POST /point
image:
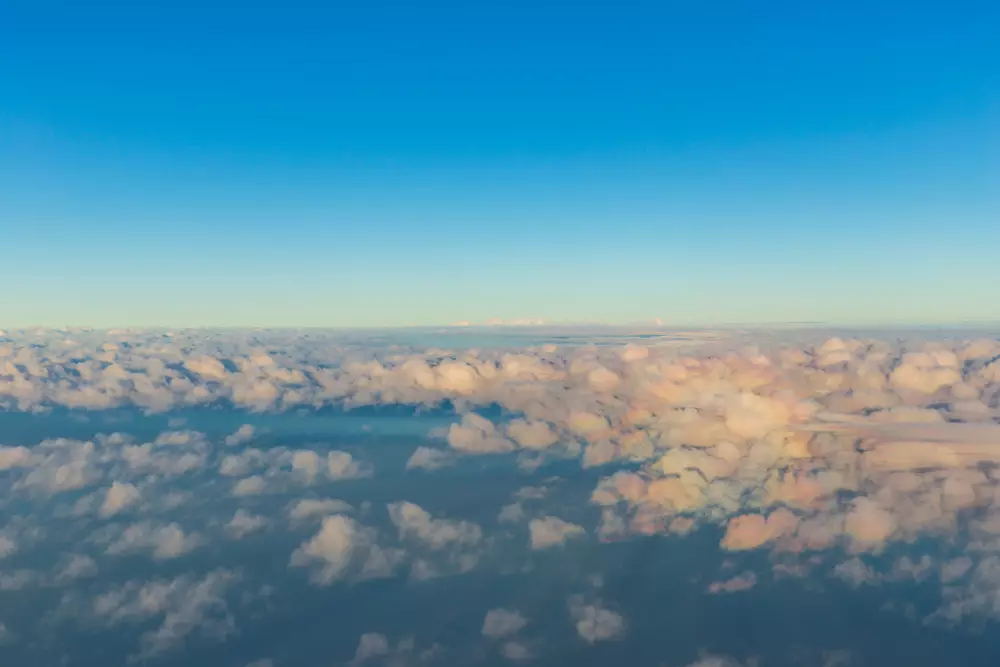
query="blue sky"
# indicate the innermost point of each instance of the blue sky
(335, 164)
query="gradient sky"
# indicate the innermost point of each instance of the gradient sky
(393, 163)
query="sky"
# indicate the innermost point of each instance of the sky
(386, 164)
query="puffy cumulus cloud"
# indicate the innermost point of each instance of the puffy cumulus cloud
(309, 508)
(341, 465)
(750, 531)
(516, 651)
(594, 622)
(856, 573)
(307, 462)
(477, 435)
(73, 568)
(342, 546)
(182, 605)
(531, 434)
(250, 486)
(741, 582)
(429, 458)
(164, 542)
(119, 496)
(371, 645)
(14, 457)
(414, 522)
(551, 531)
(241, 436)
(502, 622)
(375, 648)
(868, 525)
(243, 523)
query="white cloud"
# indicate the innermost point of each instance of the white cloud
(185, 604)
(250, 486)
(340, 544)
(502, 622)
(309, 508)
(416, 523)
(551, 531)
(119, 496)
(428, 458)
(164, 542)
(14, 457)
(241, 436)
(77, 566)
(243, 523)
(341, 465)
(596, 623)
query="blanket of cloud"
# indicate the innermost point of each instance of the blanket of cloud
(489, 497)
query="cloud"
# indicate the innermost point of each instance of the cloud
(14, 457)
(241, 436)
(516, 651)
(428, 458)
(119, 496)
(333, 547)
(309, 508)
(250, 486)
(164, 542)
(739, 583)
(596, 623)
(76, 566)
(477, 435)
(371, 645)
(551, 531)
(341, 466)
(502, 622)
(343, 546)
(243, 523)
(184, 605)
(413, 522)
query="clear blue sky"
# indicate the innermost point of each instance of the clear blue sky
(392, 163)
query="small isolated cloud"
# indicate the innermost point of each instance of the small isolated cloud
(310, 508)
(163, 542)
(332, 548)
(596, 623)
(516, 651)
(856, 573)
(243, 523)
(741, 582)
(428, 458)
(502, 622)
(512, 513)
(250, 486)
(263, 662)
(551, 531)
(75, 567)
(371, 645)
(341, 465)
(118, 497)
(241, 436)
(414, 522)
(343, 545)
